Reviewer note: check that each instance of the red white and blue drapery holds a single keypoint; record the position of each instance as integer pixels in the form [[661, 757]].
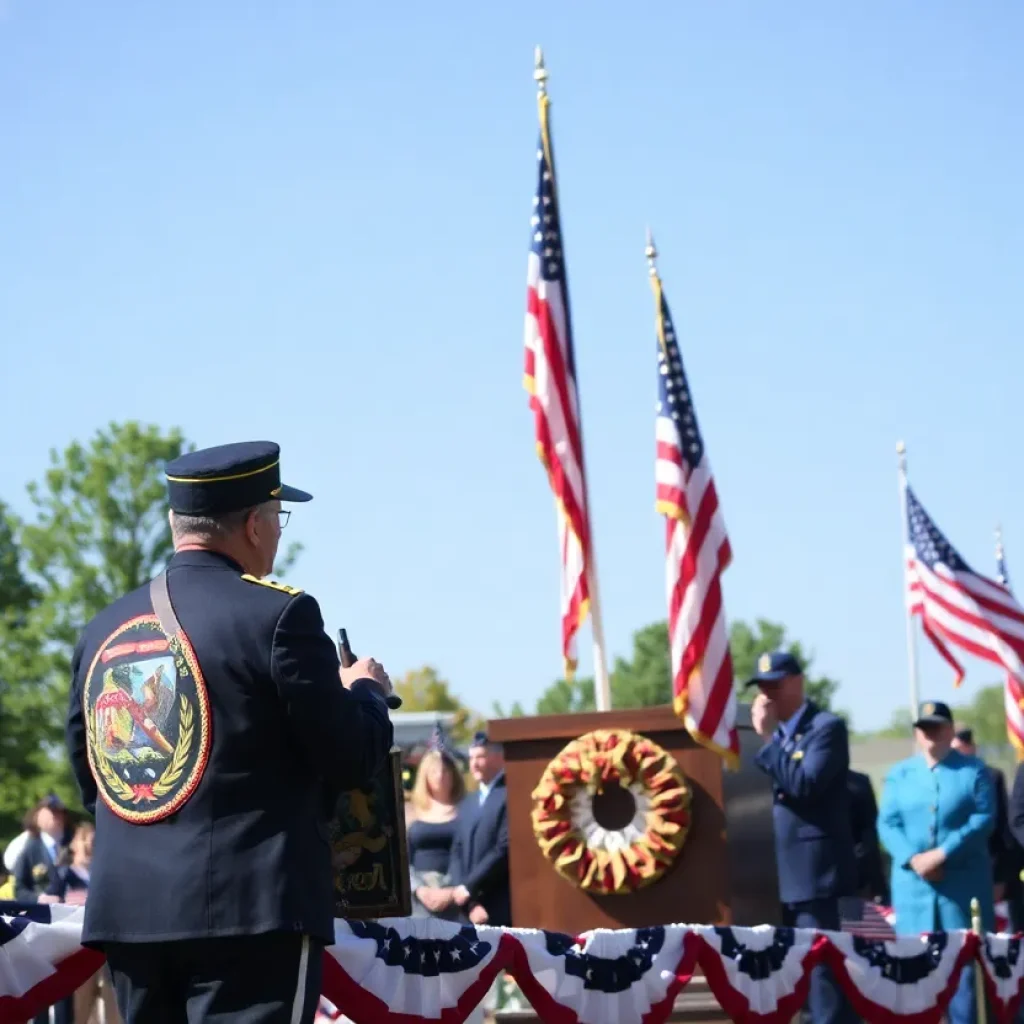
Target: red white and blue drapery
[[408, 971]]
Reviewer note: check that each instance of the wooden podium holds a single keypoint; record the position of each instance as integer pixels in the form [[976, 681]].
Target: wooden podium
[[725, 872]]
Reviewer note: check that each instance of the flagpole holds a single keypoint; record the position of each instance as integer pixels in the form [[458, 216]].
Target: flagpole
[[915, 696], [602, 688]]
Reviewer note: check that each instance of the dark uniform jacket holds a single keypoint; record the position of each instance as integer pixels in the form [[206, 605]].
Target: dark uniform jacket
[[34, 870], [811, 815], [479, 857], [244, 849], [871, 880]]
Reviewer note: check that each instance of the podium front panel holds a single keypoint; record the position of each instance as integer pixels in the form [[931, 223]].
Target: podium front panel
[[708, 883]]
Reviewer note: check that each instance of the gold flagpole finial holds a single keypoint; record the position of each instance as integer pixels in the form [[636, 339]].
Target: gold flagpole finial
[[652, 254], [540, 72]]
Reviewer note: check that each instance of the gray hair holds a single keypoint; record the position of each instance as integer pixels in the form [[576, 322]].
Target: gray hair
[[209, 527]]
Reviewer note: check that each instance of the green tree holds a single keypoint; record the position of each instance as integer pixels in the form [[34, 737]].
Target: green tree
[[423, 689], [514, 710], [25, 707], [645, 679], [986, 716]]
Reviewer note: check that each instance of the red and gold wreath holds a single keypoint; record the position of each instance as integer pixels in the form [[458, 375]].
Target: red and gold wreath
[[603, 860]]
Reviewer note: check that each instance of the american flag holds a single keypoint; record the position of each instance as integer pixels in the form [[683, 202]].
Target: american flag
[[697, 553], [867, 920], [550, 378], [957, 606], [1014, 692]]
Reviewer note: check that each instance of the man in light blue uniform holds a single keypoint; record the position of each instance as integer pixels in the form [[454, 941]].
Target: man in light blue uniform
[[936, 816]]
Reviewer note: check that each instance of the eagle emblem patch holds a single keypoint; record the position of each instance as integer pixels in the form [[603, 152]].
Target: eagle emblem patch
[[765, 663], [147, 717]]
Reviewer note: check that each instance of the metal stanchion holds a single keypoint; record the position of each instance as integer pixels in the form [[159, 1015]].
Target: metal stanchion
[[980, 1010]]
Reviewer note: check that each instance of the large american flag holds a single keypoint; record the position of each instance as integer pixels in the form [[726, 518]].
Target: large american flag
[[959, 607], [697, 553], [550, 378]]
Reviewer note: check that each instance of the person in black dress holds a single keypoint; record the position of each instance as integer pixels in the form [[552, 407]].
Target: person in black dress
[[436, 797]]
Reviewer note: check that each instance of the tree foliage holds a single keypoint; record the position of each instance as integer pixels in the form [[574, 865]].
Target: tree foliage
[[645, 679], [423, 689], [25, 705]]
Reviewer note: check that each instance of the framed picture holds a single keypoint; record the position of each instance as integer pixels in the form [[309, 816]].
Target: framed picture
[[368, 848]]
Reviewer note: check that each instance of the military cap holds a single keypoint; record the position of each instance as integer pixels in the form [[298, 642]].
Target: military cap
[[933, 712], [228, 478], [774, 667], [480, 739]]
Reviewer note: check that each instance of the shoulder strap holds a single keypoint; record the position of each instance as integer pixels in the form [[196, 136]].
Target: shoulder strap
[[161, 599]]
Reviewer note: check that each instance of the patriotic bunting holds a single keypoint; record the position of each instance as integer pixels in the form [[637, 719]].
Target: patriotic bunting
[[1003, 969], [604, 977], [762, 973], [409, 971], [911, 977]]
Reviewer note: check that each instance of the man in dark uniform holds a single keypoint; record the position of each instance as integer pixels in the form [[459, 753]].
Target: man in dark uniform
[[211, 888], [807, 756], [871, 880]]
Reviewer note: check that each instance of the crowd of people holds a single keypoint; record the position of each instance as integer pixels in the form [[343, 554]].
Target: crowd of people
[[943, 821], [49, 862]]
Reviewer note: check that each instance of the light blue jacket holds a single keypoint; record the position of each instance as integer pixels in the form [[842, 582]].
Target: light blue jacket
[[951, 806]]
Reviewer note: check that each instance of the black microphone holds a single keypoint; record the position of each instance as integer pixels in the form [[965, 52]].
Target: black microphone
[[348, 659]]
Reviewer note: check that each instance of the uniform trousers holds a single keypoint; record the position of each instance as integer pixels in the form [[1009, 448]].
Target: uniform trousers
[[272, 978], [825, 1000]]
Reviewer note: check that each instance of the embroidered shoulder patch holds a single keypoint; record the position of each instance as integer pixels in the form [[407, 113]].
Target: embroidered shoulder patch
[[273, 584], [147, 719]]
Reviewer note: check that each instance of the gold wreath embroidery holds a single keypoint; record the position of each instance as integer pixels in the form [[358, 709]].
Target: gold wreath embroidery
[[586, 765], [170, 775], [110, 777]]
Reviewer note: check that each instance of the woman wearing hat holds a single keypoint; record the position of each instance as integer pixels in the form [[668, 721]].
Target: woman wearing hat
[[936, 816]]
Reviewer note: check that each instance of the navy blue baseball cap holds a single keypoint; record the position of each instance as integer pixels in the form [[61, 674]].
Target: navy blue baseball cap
[[228, 478], [933, 712], [774, 667], [480, 739]]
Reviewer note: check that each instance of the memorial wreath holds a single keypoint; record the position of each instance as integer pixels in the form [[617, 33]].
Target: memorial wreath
[[590, 855]]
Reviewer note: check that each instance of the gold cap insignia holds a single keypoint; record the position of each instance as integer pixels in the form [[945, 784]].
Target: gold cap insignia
[[928, 709], [764, 663], [798, 755]]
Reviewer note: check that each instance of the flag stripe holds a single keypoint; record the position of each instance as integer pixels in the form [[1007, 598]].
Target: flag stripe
[[550, 379], [697, 552]]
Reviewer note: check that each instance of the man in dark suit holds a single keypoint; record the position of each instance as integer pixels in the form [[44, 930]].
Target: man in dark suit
[[207, 728], [1002, 846], [479, 858], [807, 756], [871, 880]]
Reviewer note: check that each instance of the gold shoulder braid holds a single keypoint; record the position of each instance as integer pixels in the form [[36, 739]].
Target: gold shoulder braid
[[273, 584]]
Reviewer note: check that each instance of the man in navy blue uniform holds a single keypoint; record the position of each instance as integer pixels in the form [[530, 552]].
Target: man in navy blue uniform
[[807, 756], [209, 733], [479, 859]]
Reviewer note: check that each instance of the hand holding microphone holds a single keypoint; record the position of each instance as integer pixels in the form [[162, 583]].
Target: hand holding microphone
[[353, 668]]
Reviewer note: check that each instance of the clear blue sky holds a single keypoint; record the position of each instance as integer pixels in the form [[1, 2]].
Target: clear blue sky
[[309, 222]]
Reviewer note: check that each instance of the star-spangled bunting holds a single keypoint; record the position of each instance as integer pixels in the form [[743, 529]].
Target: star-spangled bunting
[[697, 553], [959, 607], [550, 379], [407, 971]]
